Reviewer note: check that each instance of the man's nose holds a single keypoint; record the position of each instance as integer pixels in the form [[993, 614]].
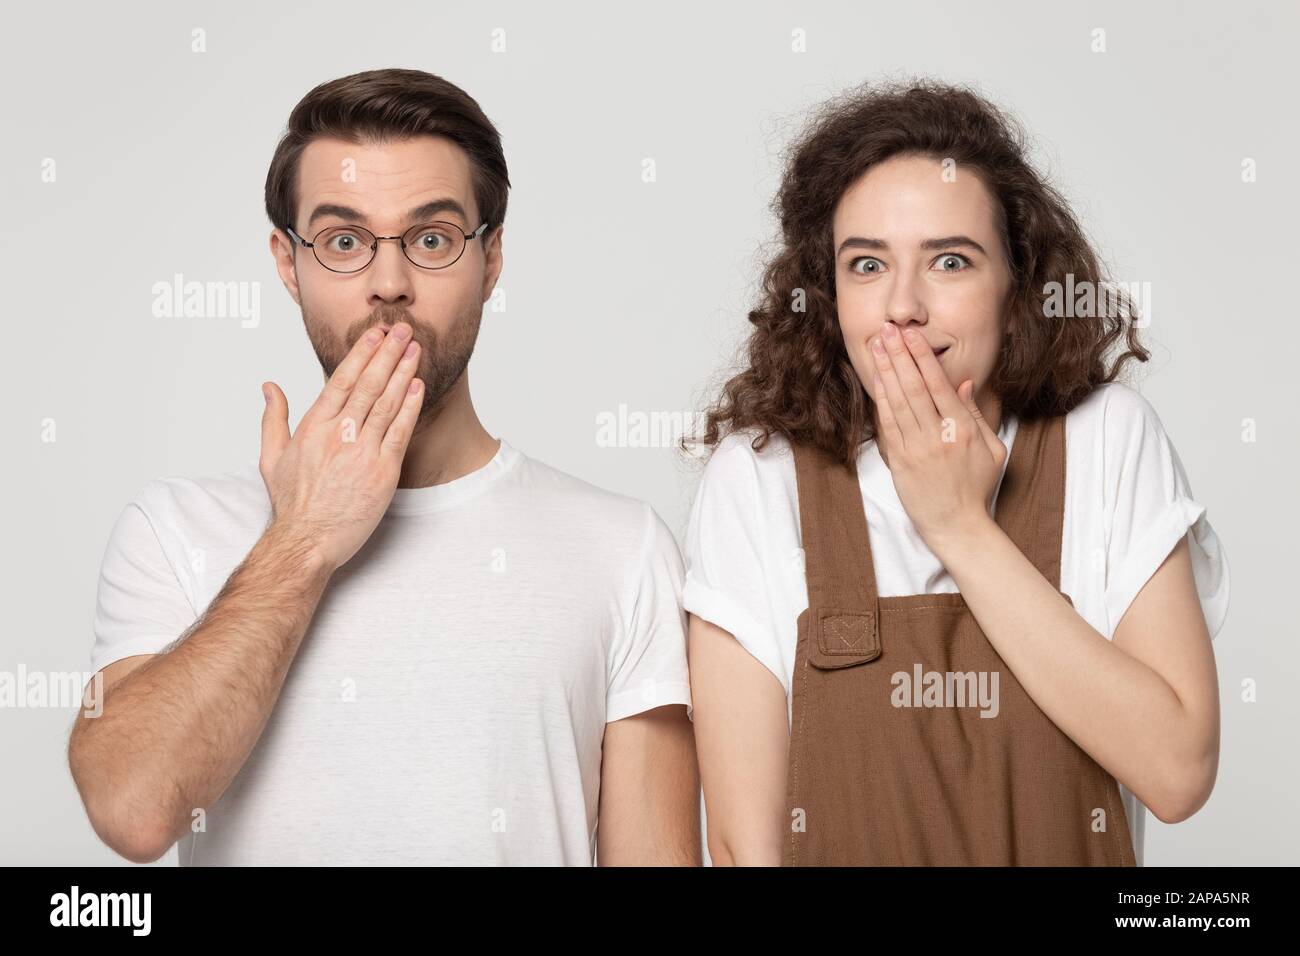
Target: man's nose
[[389, 275]]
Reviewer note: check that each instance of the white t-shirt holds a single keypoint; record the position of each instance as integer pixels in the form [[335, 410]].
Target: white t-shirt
[[449, 700], [1127, 504]]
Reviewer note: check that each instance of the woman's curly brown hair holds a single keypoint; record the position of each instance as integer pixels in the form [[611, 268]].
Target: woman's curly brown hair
[[799, 381]]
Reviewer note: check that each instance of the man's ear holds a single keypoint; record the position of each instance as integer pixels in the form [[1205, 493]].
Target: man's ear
[[494, 260], [282, 250]]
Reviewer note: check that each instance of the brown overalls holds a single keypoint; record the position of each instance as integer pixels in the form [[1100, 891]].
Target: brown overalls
[[875, 783]]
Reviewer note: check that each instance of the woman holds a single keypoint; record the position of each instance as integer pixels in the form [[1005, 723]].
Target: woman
[[951, 598]]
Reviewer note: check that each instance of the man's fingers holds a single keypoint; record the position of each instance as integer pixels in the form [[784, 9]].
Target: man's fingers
[[339, 387], [275, 425], [374, 378], [390, 402], [399, 432]]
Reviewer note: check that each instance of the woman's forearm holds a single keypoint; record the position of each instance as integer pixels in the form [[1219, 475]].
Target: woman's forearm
[[1118, 709]]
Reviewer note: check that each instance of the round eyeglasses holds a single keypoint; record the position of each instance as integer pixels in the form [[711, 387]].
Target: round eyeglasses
[[431, 245]]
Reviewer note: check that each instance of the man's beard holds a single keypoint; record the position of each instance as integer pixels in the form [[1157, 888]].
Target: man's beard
[[443, 357]]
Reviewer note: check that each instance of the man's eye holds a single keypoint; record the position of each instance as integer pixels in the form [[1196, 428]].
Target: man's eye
[[952, 262], [866, 265], [344, 242]]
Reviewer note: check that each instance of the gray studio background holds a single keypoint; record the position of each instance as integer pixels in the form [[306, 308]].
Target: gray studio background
[[618, 291]]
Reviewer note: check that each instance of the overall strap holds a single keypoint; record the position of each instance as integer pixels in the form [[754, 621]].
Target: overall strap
[[843, 603], [1030, 503], [843, 607]]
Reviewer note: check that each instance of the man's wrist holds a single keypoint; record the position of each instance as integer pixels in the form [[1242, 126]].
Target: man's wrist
[[296, 551]]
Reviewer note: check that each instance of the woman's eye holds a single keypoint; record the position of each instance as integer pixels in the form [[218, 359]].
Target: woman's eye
[[866, 265], [952, 262]]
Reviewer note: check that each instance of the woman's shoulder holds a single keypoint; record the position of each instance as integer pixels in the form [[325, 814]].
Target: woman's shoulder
[[736, 454], [756, 480], [1118, 444], [1113, 414]]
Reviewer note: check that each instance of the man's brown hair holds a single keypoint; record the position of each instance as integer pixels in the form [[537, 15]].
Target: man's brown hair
[[381, 106]]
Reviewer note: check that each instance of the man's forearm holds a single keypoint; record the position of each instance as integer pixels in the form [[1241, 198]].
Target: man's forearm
[[176, 731]]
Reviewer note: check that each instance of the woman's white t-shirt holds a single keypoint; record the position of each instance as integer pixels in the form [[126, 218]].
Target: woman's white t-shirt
[[1127, 504]]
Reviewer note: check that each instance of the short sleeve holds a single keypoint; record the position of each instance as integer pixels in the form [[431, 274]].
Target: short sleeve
[[1150, 508], [726, 551], [648, 659], [140, 606]]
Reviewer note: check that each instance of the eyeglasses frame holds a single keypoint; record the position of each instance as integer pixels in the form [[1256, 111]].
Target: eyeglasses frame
[[374, 249]]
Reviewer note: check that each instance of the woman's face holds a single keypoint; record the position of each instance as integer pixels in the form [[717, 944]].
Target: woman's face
[[920, 249]]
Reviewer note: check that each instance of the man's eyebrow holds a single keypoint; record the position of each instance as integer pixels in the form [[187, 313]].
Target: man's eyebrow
[[419, 214], [943, 242]]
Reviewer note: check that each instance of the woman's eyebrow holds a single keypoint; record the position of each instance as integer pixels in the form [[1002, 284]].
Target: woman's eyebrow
[[943, 242], [947, 242]]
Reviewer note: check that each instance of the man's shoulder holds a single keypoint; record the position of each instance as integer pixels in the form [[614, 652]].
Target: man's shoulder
[[577, 508], [553, 486], [237, 495]]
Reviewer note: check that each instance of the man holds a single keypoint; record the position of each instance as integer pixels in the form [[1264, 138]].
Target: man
[[396, 639]]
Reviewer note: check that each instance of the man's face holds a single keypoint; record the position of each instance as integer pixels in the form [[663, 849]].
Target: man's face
[[384, 186]]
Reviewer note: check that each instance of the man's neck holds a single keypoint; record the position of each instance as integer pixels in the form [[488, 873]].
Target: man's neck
[[448, 443]]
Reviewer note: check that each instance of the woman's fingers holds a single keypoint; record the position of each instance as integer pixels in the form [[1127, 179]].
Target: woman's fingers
[[990, 437], [888, 423], [388, 404], [904, 417], [910, 380], [942, 394]]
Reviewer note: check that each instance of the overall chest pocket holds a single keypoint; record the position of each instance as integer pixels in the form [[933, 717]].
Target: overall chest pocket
[[839, 637]]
